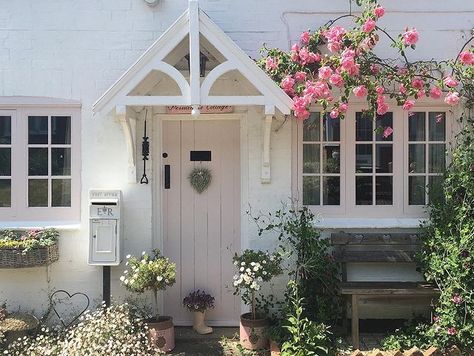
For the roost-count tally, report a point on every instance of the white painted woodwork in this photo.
(202, 231)
(104, 240)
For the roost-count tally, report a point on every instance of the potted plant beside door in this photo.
(254, 269)
(198, 302)
(153, 272)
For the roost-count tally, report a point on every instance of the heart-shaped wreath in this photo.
(63, 306)
(200, 178)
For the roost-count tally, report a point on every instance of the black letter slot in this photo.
(167, 176)
(200, 156)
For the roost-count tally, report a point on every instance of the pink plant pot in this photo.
(274, 348)
(253, 332)
(161, 333)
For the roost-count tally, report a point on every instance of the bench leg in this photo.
(355, 321)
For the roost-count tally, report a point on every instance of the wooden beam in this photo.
(129, 130)
(194, 53)
(355, 321)
(153, 100)
(267, 131)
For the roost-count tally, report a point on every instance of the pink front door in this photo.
(201, 232)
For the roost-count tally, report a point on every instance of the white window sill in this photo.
(26, 225)
(363, 223)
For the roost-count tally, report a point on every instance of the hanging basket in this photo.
(200, 178)
(19, 258)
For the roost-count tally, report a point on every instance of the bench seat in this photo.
(388, 288)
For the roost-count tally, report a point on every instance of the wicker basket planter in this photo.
(18, 258)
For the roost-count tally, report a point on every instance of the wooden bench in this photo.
(376, 248)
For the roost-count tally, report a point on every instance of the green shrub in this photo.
(28, 240)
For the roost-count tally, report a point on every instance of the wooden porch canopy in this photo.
(189, 37)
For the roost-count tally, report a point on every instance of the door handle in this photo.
(167, 176)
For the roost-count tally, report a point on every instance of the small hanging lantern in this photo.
(145, 152)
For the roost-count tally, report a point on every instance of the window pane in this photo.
(5, 130)
(311, 128)
(37, 192)
(5, 193)
(364, 158)
(364, 127)
(37, 129)
(437, 126)
(384, 190)
(61, 195)
(38, 161)
(436, 158)
(5, 161)
(331, 129)
(364, 190)
(435, 188)
(382, 123)
(416, 126)
(311, 158)
(311, 191)
(60, 129)
(416, 158)
(384, 158)
(331, 158)
(331, 191)
(416, 190)
(61, 161)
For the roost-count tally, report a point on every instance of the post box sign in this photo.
(104, 204)
(204, 109)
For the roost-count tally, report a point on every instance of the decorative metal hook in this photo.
(145, 152)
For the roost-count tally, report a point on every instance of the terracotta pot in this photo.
(161, 333)
(199, 325)
(274, 348)
(253, 332)
(14, 335)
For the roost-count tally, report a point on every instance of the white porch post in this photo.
(194, 54)
(128, 124)
(267, 131)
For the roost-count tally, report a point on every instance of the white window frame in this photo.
(19, 210)
(348, 209)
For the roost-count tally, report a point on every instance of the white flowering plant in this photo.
(149, 272)
(254, 269)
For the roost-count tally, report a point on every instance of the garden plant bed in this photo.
(432, 351)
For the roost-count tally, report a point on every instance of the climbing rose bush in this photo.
(332, 64)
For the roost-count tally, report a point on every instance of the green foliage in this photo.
(305, 337)
(31, 239)
(447, 256)
(311, 263)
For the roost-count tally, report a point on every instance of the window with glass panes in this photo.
(426, 154)
(373, 160)
(49, 161)
(5, 161)
(321, 160)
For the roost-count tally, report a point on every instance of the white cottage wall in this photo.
(77, 49)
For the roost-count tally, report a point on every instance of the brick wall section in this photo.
(432, 351)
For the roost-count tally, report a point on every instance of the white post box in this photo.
(105, 239)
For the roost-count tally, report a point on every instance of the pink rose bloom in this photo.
(347, 63)
(420, 94)
(317, 90)
(334, 114)
(334, 46)
(304, 38)
(300, 108)
(417, 83)
(380, 89)
(334, 33)
(466, 58)
(360, 91)
(450, 82)
(410, 37)
(452, 331)
(436, 319)
(314, 57)
(368, 26)
(387, 132)
(337, 80)
(295, 48)
(457, 299)
(348, 53)
(294, 53)
(300, 76)
(452, 98)
(435, 92)
(324, 73)
(374, 69)
(408, 104)
(343, 107)
(382, 108)
(271, 63)
(287, 84)
(379, 11)
(305, 57)
(354, 71)
(402, 89)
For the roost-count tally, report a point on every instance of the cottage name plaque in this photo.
(204, 109)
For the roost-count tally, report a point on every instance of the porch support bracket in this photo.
(129, 125)
(267, 131)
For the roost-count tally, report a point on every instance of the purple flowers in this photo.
(457, 299)
(198, 301)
